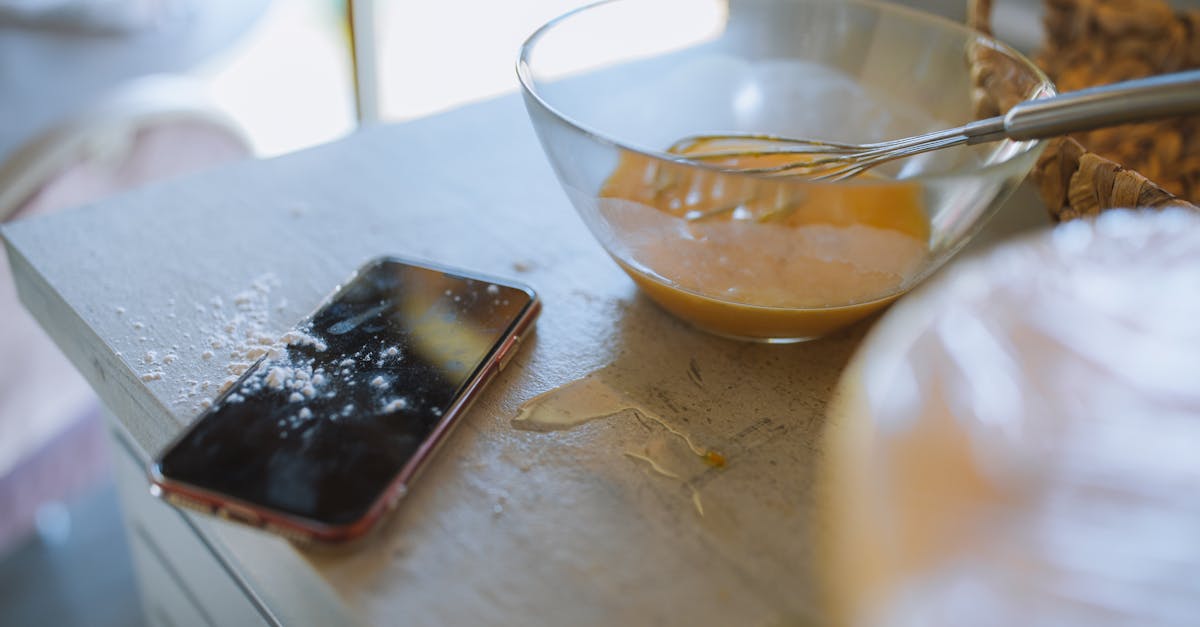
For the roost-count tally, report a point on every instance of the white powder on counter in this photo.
(242, 329)
(238, 330)
(278, 377)
(299, 338)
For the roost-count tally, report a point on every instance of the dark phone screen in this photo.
(321, 427)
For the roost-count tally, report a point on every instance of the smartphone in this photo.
(323, 436)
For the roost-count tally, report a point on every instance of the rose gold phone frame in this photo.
(302, 529)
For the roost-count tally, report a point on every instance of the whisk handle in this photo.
(1138, 100)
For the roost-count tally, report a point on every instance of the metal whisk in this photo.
(1139, 100)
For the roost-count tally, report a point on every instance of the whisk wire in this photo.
(1139, 100)
(816, 159)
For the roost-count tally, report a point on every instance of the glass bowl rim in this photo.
(1045, 89)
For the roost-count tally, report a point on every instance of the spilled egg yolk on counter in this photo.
(761, 258)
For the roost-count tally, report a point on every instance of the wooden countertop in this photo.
(507, 526)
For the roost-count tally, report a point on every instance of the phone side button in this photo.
(240, 514)
(397, 494)
(288, 532)
(510, 349)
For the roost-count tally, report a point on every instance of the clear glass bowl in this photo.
(611, 86)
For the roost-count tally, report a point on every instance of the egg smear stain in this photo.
(666, 452)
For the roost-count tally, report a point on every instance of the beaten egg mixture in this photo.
(760, 258)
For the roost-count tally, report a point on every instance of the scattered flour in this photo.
(278, 377)
(299, 338)
(389, 354)
(239, 329)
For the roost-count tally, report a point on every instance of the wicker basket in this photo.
(1093, 42)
